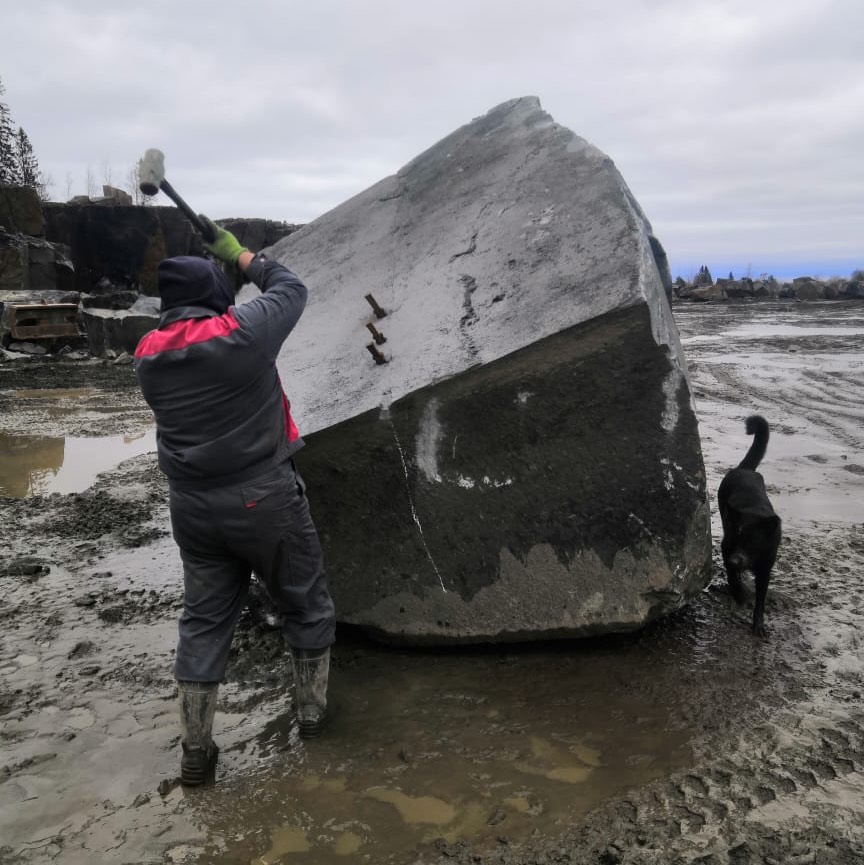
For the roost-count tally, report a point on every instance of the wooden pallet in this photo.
(43, 320)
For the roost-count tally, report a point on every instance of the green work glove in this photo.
(224, 246)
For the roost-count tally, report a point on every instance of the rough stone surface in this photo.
(526, 464)
(708, 293)
(113, 195)
(21, 210)
(13, 262)
(116, 330)
(736, 288)
(123, 244)
(33, 264)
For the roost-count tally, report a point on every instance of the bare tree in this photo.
(106, 171)
(70, 182)
(45, 186)
(90, 182)
(133, 187)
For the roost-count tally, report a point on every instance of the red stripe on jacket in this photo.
(290, 427)
(186, 331)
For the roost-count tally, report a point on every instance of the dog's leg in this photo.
(733, 572)
(761, 575)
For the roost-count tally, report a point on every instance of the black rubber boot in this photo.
(311, 672)
(197, 708)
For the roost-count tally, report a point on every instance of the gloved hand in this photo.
(224, 246)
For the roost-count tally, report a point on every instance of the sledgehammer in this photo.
(151, 178)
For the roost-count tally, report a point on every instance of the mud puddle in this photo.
(456, 746)
(41, 465)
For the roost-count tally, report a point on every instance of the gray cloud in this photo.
(738, 125)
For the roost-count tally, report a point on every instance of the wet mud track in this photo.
(691, 742)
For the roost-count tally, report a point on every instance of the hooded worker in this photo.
(226, 440)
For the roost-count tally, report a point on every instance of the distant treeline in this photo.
(704, 287)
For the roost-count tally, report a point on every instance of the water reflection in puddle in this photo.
(462, 745)
(40, 465)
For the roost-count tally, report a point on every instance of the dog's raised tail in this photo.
(756, 426)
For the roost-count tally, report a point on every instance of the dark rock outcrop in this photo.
(21, 211)
(123, 244)
(257, 234)
(526, 462)
(34, 273)
(104, 250)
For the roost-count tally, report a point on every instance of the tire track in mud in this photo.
(825, 402)
(811, 382)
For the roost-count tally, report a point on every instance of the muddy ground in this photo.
(691, 742)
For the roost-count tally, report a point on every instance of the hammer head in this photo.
(151, 171)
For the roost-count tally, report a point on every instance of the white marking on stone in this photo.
(670, 390)
(466, 483)
(668, 477)
(593, 605)
(642, 524)
(411, 505)
(428, 439)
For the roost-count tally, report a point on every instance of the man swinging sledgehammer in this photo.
(225, 440)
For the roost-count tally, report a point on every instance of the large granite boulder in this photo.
(522, 461)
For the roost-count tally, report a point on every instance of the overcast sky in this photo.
(739, 126)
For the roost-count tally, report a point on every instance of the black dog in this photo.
(751, 529)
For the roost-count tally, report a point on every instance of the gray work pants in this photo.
(224, 534)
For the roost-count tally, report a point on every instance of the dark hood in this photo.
(190, 281)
